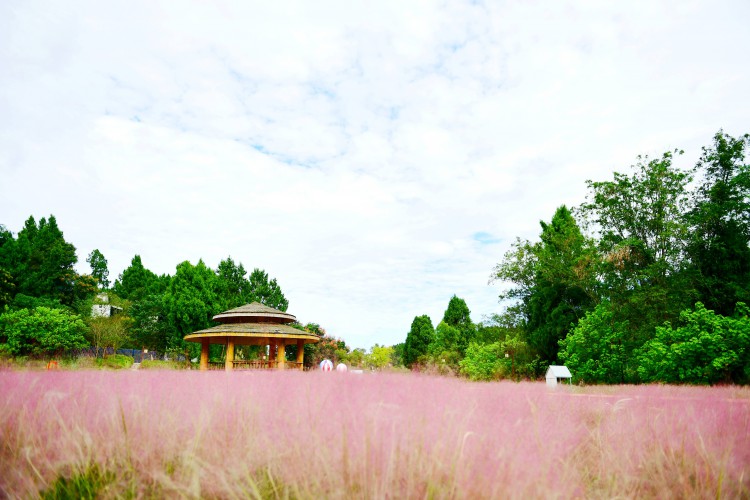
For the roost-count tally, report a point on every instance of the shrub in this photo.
(116, 361)
(157, 364)
(42, 331)
(705, 349)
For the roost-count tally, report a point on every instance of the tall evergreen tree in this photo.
(418, 339)
(99, 269)
(136, 281)
(265, 291)
(41, 261)
(555, 282)
(460, 331)
(720, 223)
(564, 284)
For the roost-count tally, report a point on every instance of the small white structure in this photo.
(341, 367)
(326, 365)
(103, 308)
(557, 375)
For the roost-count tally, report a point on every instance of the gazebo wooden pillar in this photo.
(229, 361)
(205, 343)
(254, 324)
(300, 354)
(281, 356)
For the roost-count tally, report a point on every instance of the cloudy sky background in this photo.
(374, 157)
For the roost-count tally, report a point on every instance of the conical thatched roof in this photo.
(252, 324)
(252, 313)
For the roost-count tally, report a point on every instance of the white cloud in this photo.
(353, 150)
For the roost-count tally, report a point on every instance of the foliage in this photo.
(190, 302)
(266, 292)
(418, 339)
(356, 358)
(136, 281)
(236, 289)
(86, 485)
(109, 332)
(720, 225)
(595, 352)
(99, 269)
(7, 287)
(456, 331)
(327, 347)
(116, 361)
(508, 358)
(379, 357)
(398, 354)
(158, 364)
(554, 281)
(706, 348)
(40, 261)
(42, 331)
(642, 236)
(484, 361)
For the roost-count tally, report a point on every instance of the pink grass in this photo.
(330, 435)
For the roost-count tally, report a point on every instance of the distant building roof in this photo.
(558, 371)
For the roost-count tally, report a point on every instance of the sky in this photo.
(375, 158)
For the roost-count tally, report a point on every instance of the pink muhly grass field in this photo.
(332, 435)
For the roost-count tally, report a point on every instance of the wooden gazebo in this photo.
(254, 324)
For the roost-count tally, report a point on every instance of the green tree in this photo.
(554, 282)
(706, 348)
(190, 302)
(379, 357)
(357, 357)
(266, 292)
(720, 225)
(136, 281)
(150, 327)
(99, 269)
(42, 331)
(398, 354)
(418, 339)
(458, 316)
(643, 235)
(483, 361)
(7, 288)
(595, 351)
(564, 284)
(40, 261)
(144, 294)
(233, 285)
(109, 332)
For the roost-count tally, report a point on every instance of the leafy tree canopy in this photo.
(706, 348)
(594, 351)
(42, 331)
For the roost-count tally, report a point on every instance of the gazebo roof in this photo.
(218, 334)
(254, 312)
(251, 323)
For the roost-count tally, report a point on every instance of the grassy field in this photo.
(328, 435)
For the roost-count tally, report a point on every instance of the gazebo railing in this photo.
(253, 364)
(257, 364)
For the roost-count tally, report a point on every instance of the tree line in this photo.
(47, 306)
(648, 280)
